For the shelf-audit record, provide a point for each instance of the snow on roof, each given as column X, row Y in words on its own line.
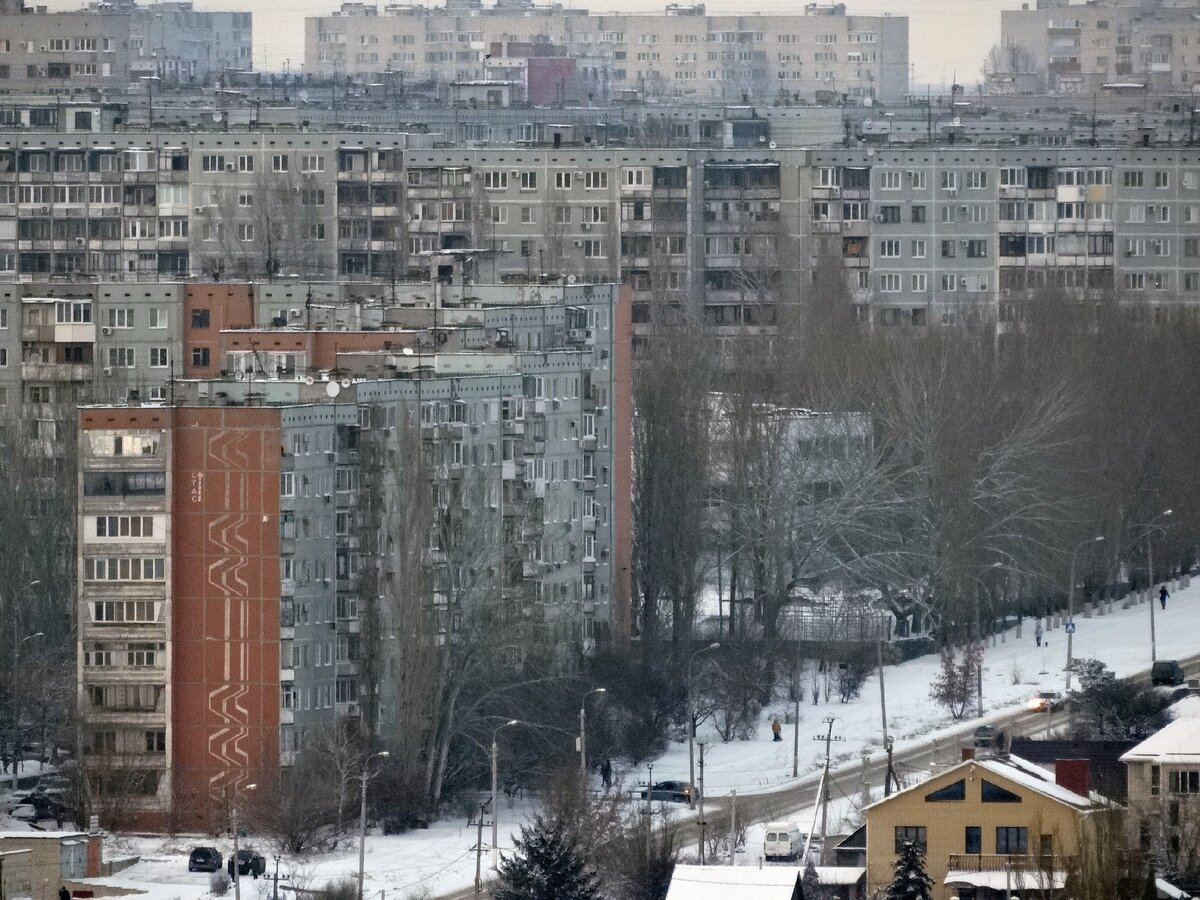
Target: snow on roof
column 1178, row 742
column 839, row 875
column 714, row 882
column 40, row 835
column 1015, row 769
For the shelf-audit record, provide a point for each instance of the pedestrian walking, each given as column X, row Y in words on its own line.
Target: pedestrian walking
column 1163, row 594
column 1037, row 633
column 63, row 893
column 777, row 729
column 606, row 774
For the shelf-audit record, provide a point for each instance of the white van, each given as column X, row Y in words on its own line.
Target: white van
column 784, row 840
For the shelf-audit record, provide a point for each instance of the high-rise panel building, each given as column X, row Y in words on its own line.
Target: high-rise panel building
column 226, row 576
column 685, row 51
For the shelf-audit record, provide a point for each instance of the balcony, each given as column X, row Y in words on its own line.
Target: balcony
column 61, row 372
column 1001, row 872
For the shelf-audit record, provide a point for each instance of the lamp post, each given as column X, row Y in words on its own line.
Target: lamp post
column 495, row 798
column 233, row 816
column 691, row 727
column 979, row 641
column 1071, row 603
column 583, row 736
column 1150, row 529
column 16, row 704
column 362, row 817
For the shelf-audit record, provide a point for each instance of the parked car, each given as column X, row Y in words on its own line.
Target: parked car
column 988, row 736
column 205, row 859
column 671, row 791
column 248, row 863
column 1045, row 701
column 1168, row 672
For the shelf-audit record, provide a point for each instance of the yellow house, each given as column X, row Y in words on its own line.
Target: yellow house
column 989, row 827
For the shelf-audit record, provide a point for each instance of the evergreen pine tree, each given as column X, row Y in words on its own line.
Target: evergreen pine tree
column 911, row 881
column 548, row 865
column 810, row 884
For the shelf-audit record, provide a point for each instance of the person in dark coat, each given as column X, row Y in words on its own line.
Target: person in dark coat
column 1163, row 594
column 606, row 774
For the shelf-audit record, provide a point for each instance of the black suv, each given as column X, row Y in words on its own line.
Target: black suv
column 1168, row 672
column 671, row 791
column 204, row 859
column 248, row 863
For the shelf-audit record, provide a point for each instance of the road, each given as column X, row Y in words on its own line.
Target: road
column 846, row 780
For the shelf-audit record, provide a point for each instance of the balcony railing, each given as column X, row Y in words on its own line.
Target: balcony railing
column 1002, row 862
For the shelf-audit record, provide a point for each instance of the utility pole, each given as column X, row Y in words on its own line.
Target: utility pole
column 479, row 853
column 275, row 880
column 797, row 689
column 732, row 825
column 823, row 790
column 882, row 689
column 702, row 823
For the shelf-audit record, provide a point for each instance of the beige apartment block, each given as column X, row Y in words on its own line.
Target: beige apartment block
column 683, row 52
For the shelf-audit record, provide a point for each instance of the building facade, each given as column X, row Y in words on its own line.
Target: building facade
column 223, row 566
column 1077, row 48
column 681, row 52
column 927, row 236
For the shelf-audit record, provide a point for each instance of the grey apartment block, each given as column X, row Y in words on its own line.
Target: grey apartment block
column 183, row 45
column 63, row 52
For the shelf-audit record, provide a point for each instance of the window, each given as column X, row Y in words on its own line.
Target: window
column 124, row 526
column 1184, row 782
column 977, row 249
column 889, row 215
column 312, row 162
column 200, row 356
column 993, row 793
column 949, row 181
column 1010, row 840
column 212, row 162
column 279, row 162
column 918, row 215
column 529, row 181
column 920, row 282
column 120, row 318
column 889, row 180
column 1133, row 179
column 889, row 283
column 910, row 834
column 1162, row 179
column 158, row 357
column 949, row 249
column 562, row 181
column 593, row 249
column 287, row 484
column 123, row 568
column 973, row 837
column 156, row 741
column 245, row 163
column 245, row 231
column 122, row 357
column 595, row 180
column 951, row 792
column 495, row 181
column 200, row 318
column 73, row 312
column 977, row 180
column 245, row 199
column 316, row 231
column 918, row 249
column 889, row 249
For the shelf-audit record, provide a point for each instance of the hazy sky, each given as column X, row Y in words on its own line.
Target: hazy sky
column 946, row 36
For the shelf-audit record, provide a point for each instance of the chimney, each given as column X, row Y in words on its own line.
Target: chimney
column 95, row 849
column 968, row 753
column 1074, row 775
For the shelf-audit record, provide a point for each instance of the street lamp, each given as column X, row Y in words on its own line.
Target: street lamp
column 1150, row 529
column 979, row 639
column 16, row 718
column 691, row 727
column 1071, row 603
column 495, row 799
column 237, row 880
column 362, row 817
column 583, row 735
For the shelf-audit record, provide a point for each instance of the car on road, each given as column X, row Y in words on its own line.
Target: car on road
column 204, row 859
column 1166, row 672
column 1045, row 701
column 248, row 863
column 671, row 791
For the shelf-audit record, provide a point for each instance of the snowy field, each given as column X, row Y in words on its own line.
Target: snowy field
column 440, row 860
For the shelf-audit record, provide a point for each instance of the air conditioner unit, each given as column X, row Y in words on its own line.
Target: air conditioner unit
column 585, row 226
column 846, row 224
column 106, row 330
column 230, row 167
column 108, row 370
column 45, row 210
column 963, row 243
column 79, row 242
column 878, row 217
column 293, row 313
column 198, row 210
column 953, row 192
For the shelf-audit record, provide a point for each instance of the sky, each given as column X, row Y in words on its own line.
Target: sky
column 946, row 37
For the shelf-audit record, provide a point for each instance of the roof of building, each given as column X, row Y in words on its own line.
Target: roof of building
column 1178, row 742
column 1020, row 772
column 714, row 882
column 41, row 835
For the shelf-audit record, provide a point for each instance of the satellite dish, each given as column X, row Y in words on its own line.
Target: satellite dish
column 407, row 351
column 333, row 389
column 239, row 375
column 773, row 145
column 218, row 116
column 303, row 95
column 308, row 379
column 346, row 382
column 570, row 279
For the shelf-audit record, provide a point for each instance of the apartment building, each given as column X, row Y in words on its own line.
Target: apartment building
column 63, row 52
column 224, row 578
column 183, row 45
column 926, row 235
column 682, row 52
column 1163, row 774
column 1079, row 47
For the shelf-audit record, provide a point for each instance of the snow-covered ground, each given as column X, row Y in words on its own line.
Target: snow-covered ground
column 440, row 860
